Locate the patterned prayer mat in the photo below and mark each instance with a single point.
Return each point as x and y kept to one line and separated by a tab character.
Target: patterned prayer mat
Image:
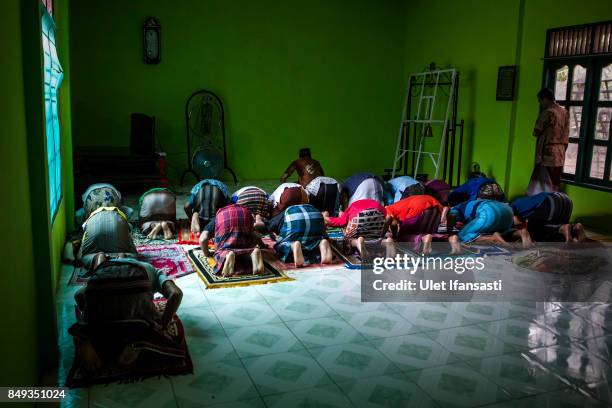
171	259
141	239
352	260
270	256
185	236
160	352
560	261
204	266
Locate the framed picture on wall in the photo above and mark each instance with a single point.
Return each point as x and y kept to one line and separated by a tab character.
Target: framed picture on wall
505	83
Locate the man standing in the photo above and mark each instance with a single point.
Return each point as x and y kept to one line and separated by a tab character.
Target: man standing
552	132
307	168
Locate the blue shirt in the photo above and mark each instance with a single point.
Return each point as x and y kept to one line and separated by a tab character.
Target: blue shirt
469	189
524	206
466	211
395	187
220	185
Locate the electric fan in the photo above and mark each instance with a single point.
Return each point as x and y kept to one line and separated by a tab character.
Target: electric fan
205	126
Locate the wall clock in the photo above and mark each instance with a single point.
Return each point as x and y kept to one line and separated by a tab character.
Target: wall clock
152	41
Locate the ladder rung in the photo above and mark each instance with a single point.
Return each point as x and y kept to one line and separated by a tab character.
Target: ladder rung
417	151
431	121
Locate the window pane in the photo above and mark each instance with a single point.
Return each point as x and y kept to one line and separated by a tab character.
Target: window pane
602	125
578	80
598	162
561	83
605	88
575	121
571	155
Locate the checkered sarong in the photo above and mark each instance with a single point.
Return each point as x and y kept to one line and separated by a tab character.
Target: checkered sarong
233	232
303	223
253	198
367	223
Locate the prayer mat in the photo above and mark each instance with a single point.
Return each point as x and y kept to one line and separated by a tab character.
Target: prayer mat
171	259
485	250
205	268
352	259
559	261
141	239
160	352
270	256
185	236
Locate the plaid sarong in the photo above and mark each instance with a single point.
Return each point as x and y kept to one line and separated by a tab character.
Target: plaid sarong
233	232
368	224
253	198
303	223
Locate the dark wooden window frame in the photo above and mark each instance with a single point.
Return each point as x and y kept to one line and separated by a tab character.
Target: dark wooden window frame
576	52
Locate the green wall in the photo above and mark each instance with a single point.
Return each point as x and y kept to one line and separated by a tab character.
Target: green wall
474	37
477	37
31	241
324	74
18	340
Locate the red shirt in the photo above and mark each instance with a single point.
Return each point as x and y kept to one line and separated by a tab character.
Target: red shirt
412	206
354	209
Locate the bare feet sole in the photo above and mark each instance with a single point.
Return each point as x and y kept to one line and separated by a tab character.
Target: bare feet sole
326	252
298	256
361	247
455	244
258	264
228	265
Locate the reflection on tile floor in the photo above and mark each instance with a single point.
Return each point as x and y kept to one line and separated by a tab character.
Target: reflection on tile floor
311	342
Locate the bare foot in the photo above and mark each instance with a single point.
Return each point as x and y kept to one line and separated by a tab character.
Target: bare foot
259	223
361	247
579	232
525	238
98	260
426	240
195	223
298	256
228	265
497	238
389	244
155	231
203	240
453	240
326	252
167	230
128	355
566	231
257	259
89	357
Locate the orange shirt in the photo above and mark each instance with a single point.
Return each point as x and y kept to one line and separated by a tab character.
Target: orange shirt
412	206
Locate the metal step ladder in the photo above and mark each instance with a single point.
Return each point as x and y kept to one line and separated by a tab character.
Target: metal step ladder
435	86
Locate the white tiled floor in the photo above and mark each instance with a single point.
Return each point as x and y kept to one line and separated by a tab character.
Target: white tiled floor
298	343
